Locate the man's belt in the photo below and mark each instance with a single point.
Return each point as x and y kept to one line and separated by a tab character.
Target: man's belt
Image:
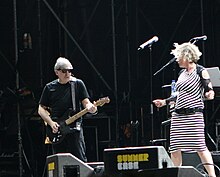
187	111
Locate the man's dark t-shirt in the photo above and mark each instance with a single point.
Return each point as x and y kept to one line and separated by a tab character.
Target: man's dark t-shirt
58	97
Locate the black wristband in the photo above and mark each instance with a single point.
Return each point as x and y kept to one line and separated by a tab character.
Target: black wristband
95	112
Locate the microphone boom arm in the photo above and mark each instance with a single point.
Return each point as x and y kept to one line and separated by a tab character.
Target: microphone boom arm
171	61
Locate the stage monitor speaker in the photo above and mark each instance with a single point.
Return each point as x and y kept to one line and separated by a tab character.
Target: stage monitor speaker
183	171
132	159
216	159
191	159
67	165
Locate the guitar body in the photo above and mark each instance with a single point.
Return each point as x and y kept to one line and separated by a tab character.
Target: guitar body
58	137
64	129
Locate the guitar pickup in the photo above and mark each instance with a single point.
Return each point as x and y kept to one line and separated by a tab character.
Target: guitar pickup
78	126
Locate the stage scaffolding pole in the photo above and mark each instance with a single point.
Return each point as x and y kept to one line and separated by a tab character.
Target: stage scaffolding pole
202	29
129	58
115	70
40	42
17	88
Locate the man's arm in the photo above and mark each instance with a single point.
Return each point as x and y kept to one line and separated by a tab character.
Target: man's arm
45	115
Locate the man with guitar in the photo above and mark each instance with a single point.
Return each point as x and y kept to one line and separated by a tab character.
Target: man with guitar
61	99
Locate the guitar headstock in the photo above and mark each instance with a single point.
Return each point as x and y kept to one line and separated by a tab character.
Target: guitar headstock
102	101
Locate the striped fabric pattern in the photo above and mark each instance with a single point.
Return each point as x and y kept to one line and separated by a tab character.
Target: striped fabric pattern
187	131
190	91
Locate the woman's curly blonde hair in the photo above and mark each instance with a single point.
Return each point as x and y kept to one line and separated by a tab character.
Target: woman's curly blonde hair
187	50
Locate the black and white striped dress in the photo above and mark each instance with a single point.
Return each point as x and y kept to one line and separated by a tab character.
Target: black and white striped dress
187	131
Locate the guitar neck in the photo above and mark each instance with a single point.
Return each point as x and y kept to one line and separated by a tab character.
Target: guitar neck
100	102
76	116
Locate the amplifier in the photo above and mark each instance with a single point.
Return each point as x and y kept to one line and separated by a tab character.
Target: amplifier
131	159
67	165
9	164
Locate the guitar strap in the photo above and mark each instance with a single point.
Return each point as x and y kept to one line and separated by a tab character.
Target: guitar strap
73	94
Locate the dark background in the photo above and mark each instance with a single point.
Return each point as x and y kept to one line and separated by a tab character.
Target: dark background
100	38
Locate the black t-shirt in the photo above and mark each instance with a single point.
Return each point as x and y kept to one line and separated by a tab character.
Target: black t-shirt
58	97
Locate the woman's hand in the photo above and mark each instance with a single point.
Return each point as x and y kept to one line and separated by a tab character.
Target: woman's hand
210	95
159	102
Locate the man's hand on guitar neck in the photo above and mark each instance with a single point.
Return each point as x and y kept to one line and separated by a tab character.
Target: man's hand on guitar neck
92	108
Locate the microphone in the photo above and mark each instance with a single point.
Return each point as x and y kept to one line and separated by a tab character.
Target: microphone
203	38
149	42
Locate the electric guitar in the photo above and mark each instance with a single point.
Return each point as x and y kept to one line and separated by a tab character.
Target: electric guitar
64	128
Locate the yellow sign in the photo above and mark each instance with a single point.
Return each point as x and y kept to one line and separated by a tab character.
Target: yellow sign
51	166
131	161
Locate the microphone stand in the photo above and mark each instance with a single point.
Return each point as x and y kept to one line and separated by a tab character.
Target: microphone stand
171	61
151	95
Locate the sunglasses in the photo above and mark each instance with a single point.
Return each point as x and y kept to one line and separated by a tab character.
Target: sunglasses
65	70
